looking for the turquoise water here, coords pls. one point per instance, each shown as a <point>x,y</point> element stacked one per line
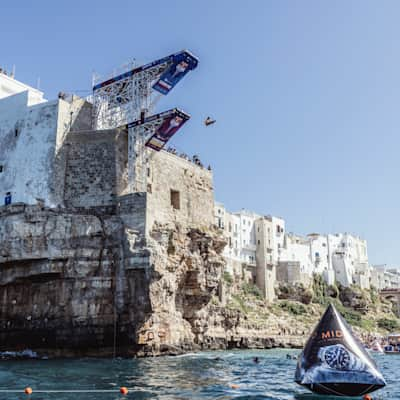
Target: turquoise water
<point>192,376</point>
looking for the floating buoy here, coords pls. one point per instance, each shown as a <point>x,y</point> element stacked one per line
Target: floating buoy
<point>123,390</point>
<point>28,390</point>
<point>334,362</point>
<point>234,386</point>
<point>367,397</point>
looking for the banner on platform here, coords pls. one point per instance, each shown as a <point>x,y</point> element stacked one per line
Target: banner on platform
<point>182,63</point>
<point>178,65</point>
<point>166,124</point>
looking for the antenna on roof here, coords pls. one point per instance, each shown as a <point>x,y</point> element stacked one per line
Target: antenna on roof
<point>13,71</point>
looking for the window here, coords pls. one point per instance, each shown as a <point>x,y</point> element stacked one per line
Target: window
<point>230,227</point>
<point>149,188</point>
<point>7,199</point>
<point>148,172</point>
<point>175,200</point>
<point>258,241</point>
<point>1,168</point>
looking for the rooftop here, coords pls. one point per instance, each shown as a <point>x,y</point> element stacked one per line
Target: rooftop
<point>9,86</point>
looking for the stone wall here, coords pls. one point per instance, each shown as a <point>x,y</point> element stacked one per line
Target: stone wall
<point>30,137</point>
<point>90,178</point>
<point>27,145</point>
<point>290,272</point>
<point>193,187</point>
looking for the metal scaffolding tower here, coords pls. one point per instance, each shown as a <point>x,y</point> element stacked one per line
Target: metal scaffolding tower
<point>129,97</point>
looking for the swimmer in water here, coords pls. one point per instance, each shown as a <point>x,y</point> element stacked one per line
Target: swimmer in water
<point>256,360</point>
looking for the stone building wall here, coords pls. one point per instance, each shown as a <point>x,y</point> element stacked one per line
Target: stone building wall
<point>290,272</point>
<point>27,145</point>
<point>193,190</point>
<point>30,137</point>
<point>90,178</point>
<point>105,262</point>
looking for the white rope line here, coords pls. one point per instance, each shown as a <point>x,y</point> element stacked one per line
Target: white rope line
<point>63,391</point>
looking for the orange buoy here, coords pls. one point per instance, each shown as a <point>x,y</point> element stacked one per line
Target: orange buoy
<point>367,397</point>
<point>28,390</point>
<point>234,386</point>
<point>123,390</point>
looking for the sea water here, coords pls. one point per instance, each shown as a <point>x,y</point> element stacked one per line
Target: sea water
<point>208,375</point>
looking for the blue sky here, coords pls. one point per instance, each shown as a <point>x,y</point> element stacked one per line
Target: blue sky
<point>305,93</point>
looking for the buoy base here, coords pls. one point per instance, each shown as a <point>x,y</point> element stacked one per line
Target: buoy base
<point>342,389</point>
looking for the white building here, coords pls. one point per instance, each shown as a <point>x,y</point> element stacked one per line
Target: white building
<point>321,256</point>
<point>270,234</point>
<point>31,133</point>
<point>258,248</point>
<point>340,257</point>
<point>254,245</point>
<point>295,264</point>
<point>383,277</point>
<point>10,86</point>
<point>350,260</point>
<point>230,224</point>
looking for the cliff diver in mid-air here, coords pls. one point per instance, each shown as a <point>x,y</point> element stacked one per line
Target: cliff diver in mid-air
<point>209,121</point>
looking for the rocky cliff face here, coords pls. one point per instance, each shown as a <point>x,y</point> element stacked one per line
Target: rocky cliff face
<point>86,284</point>
<point>57,279</point>
<point>89,284</point>
<point>186,267</point>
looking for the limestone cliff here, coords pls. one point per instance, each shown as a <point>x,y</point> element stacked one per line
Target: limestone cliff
<point>86,283</point>
<point>186,268</point>
<point>90,282</point>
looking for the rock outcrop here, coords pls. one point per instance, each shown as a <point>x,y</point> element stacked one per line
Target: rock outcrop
<point>86,283</point>
<point>92,282</point>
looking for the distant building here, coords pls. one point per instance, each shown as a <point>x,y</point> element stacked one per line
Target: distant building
<point>383,277</point>
<point>254,246</point>
<point>295,265</point>
<point>270,234</point>
<point>340,257</point>
<point>350,260</point>
<point>10,86</point>
<point>259,249</point>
